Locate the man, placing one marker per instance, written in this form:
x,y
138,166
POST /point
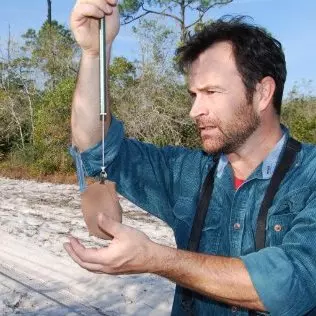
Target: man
x,y
236,74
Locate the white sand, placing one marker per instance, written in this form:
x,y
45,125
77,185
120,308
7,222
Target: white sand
x,y
37,277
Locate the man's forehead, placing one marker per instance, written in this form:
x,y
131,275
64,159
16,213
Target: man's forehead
x,y
218,55
217,62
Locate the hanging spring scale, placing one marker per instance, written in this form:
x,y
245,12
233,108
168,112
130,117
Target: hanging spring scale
x,y
103,91
101,196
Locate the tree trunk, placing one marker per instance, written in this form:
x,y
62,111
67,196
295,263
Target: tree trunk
x,y
18,123
49,12
31,112
183,30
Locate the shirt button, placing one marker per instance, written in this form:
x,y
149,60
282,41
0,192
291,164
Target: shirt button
x,y
277,228
234,309
236,226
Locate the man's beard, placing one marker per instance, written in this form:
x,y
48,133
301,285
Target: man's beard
x,y
233,134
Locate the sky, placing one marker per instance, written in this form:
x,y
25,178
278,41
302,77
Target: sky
x,y
292,22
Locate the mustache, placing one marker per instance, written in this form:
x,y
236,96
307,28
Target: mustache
x,y
202,123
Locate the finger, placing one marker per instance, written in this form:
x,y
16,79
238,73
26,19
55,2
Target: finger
x,y
97,268
109,226
113,3
87,11
100,4
87,255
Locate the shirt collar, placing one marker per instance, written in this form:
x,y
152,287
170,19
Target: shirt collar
x,y
223,161
268,165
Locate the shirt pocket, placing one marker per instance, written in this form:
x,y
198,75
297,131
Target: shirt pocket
x,y
184,212
278,226
283,214
292,202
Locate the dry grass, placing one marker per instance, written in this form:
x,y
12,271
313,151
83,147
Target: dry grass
x,y
26,174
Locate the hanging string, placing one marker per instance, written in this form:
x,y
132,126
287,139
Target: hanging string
x,y
103,91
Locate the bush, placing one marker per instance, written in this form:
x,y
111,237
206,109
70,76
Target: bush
x,y
299,114
156,109
52,129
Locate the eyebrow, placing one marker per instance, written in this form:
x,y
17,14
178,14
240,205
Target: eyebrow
x,y
207,87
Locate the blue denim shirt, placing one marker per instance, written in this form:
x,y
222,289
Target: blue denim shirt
x,y
167,182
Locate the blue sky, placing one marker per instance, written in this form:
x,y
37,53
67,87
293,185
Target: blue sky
x,y
290,21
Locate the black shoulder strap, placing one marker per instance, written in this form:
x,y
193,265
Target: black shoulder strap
x,y
290,151
197,226
202,208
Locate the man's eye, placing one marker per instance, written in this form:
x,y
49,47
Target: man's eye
x,y
192,95
209,92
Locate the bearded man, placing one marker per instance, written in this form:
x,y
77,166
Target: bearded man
x,y
252,250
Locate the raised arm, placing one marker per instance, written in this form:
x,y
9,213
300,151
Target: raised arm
x,y
85,121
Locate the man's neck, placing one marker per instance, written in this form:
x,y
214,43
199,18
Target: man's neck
x,y
258,146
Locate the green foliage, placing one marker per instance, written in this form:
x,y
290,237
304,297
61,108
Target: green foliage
x,y
52,49
129,7
52,128
299,114
155,109
37,123
122,72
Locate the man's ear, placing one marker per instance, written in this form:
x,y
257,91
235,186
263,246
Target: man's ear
x,y
264,94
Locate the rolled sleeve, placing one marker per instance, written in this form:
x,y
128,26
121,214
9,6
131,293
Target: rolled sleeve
x,y
79,167
92,158
89,162
285,276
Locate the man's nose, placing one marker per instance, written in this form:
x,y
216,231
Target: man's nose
x,y
199,107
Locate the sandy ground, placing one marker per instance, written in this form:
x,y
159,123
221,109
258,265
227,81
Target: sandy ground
x,y
38,278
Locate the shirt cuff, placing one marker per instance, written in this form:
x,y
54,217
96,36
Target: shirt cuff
x,y
75,154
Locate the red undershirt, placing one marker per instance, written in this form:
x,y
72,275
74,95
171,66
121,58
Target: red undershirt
x,y
238,182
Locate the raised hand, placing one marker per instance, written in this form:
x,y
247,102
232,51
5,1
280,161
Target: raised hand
x,y
84,23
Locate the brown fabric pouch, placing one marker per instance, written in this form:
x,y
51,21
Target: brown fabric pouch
x,y
100,198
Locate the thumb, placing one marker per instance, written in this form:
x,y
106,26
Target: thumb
x,y
109,226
